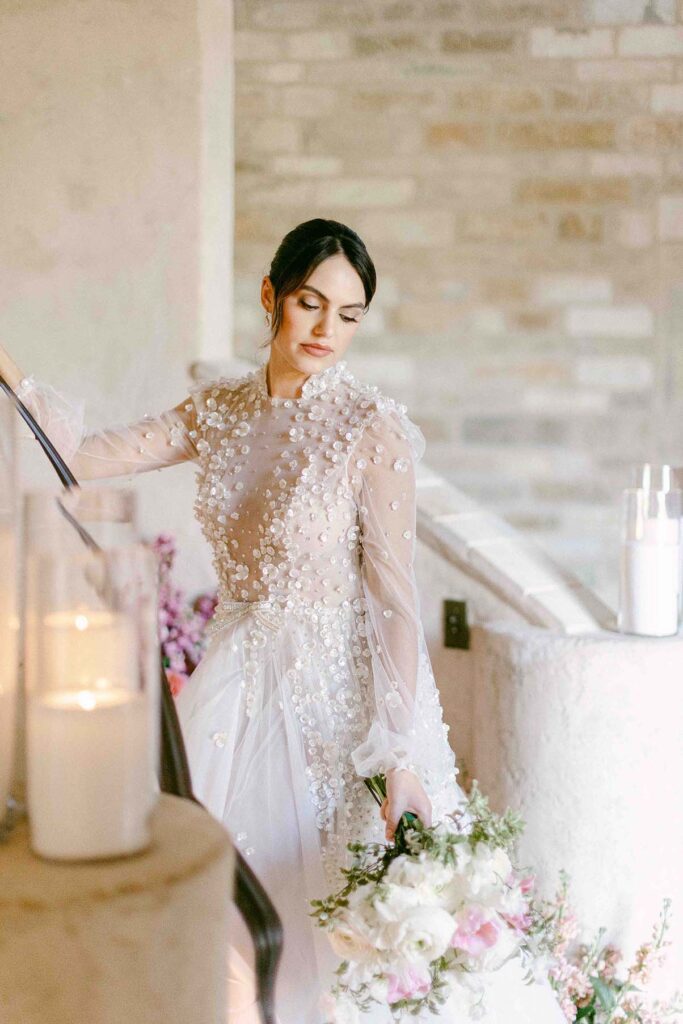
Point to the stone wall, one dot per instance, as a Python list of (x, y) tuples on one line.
[(515, 168)]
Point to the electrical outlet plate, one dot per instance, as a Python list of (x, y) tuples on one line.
[(456, 627)]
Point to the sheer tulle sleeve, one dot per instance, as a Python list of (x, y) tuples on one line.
[(383, 467), (152, 443)]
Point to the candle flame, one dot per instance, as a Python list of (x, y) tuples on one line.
[(81, 622), (86, 700)]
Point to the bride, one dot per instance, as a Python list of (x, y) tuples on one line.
[(316, 673)]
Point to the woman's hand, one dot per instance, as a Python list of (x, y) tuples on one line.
[(404, 793)]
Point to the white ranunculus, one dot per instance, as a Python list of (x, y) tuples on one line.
[(487, 870), (427, 876), (393, 902), (419, 937), (456, 893), (350, 937)]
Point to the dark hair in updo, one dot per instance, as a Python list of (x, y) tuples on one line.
[(304, 248)]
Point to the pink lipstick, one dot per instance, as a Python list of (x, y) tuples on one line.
[(319, 351)]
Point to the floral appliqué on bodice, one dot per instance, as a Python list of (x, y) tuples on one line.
[(277, 495)]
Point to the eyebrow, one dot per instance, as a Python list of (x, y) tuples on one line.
[(349, 305)]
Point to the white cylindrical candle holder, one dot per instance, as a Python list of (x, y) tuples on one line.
[(654, 476), (9, 621), (662, 476), (92, 678), (650, 562)]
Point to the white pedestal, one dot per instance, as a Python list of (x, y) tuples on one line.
[(139, 940)]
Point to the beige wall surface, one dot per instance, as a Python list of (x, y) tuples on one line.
[(99, 185), (116, 205), (515, 169)]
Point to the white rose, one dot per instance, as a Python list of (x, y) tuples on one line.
[(421, 873), (394, 901), (456, 893), (350, 938), (420, 937), (487, 870)]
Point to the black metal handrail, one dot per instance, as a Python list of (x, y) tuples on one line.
[(251, 899)]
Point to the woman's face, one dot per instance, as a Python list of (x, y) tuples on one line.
[(320, 318)]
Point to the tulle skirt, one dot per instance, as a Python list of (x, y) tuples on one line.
[(269, 742)]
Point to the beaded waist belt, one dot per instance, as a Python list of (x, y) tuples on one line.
[(265, 612)]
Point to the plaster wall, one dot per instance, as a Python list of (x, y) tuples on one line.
[(116, 205), (582, 735)]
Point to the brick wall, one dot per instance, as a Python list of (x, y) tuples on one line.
[(516, 170)]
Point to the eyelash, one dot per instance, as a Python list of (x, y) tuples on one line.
[(346, 319)]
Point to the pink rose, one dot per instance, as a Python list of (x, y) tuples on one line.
[(476, 932), (413, 983)]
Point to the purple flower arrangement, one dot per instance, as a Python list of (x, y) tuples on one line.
[(182, 624)]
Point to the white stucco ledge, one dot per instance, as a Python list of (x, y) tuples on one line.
[(584, 735), (494, 554)]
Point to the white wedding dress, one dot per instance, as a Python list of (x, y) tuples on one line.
[(316, 673)]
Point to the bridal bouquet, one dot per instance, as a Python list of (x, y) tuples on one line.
[(426, 919)]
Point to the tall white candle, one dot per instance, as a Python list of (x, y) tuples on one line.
[(88, 773), (650, 562), (649, 588), (76, 644)]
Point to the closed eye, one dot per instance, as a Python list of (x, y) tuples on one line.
[(346, 319)]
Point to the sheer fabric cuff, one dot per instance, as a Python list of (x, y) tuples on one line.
[(381, 751), (61, 418)]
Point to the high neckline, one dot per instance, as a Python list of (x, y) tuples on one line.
[(313, 386)]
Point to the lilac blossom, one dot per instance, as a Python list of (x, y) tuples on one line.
[(182, 625)]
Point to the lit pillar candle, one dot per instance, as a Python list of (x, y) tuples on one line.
[(92, 695), (78, 643), (650, 563), (88, 759)]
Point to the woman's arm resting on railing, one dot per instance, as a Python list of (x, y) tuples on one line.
[(152, 443)]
